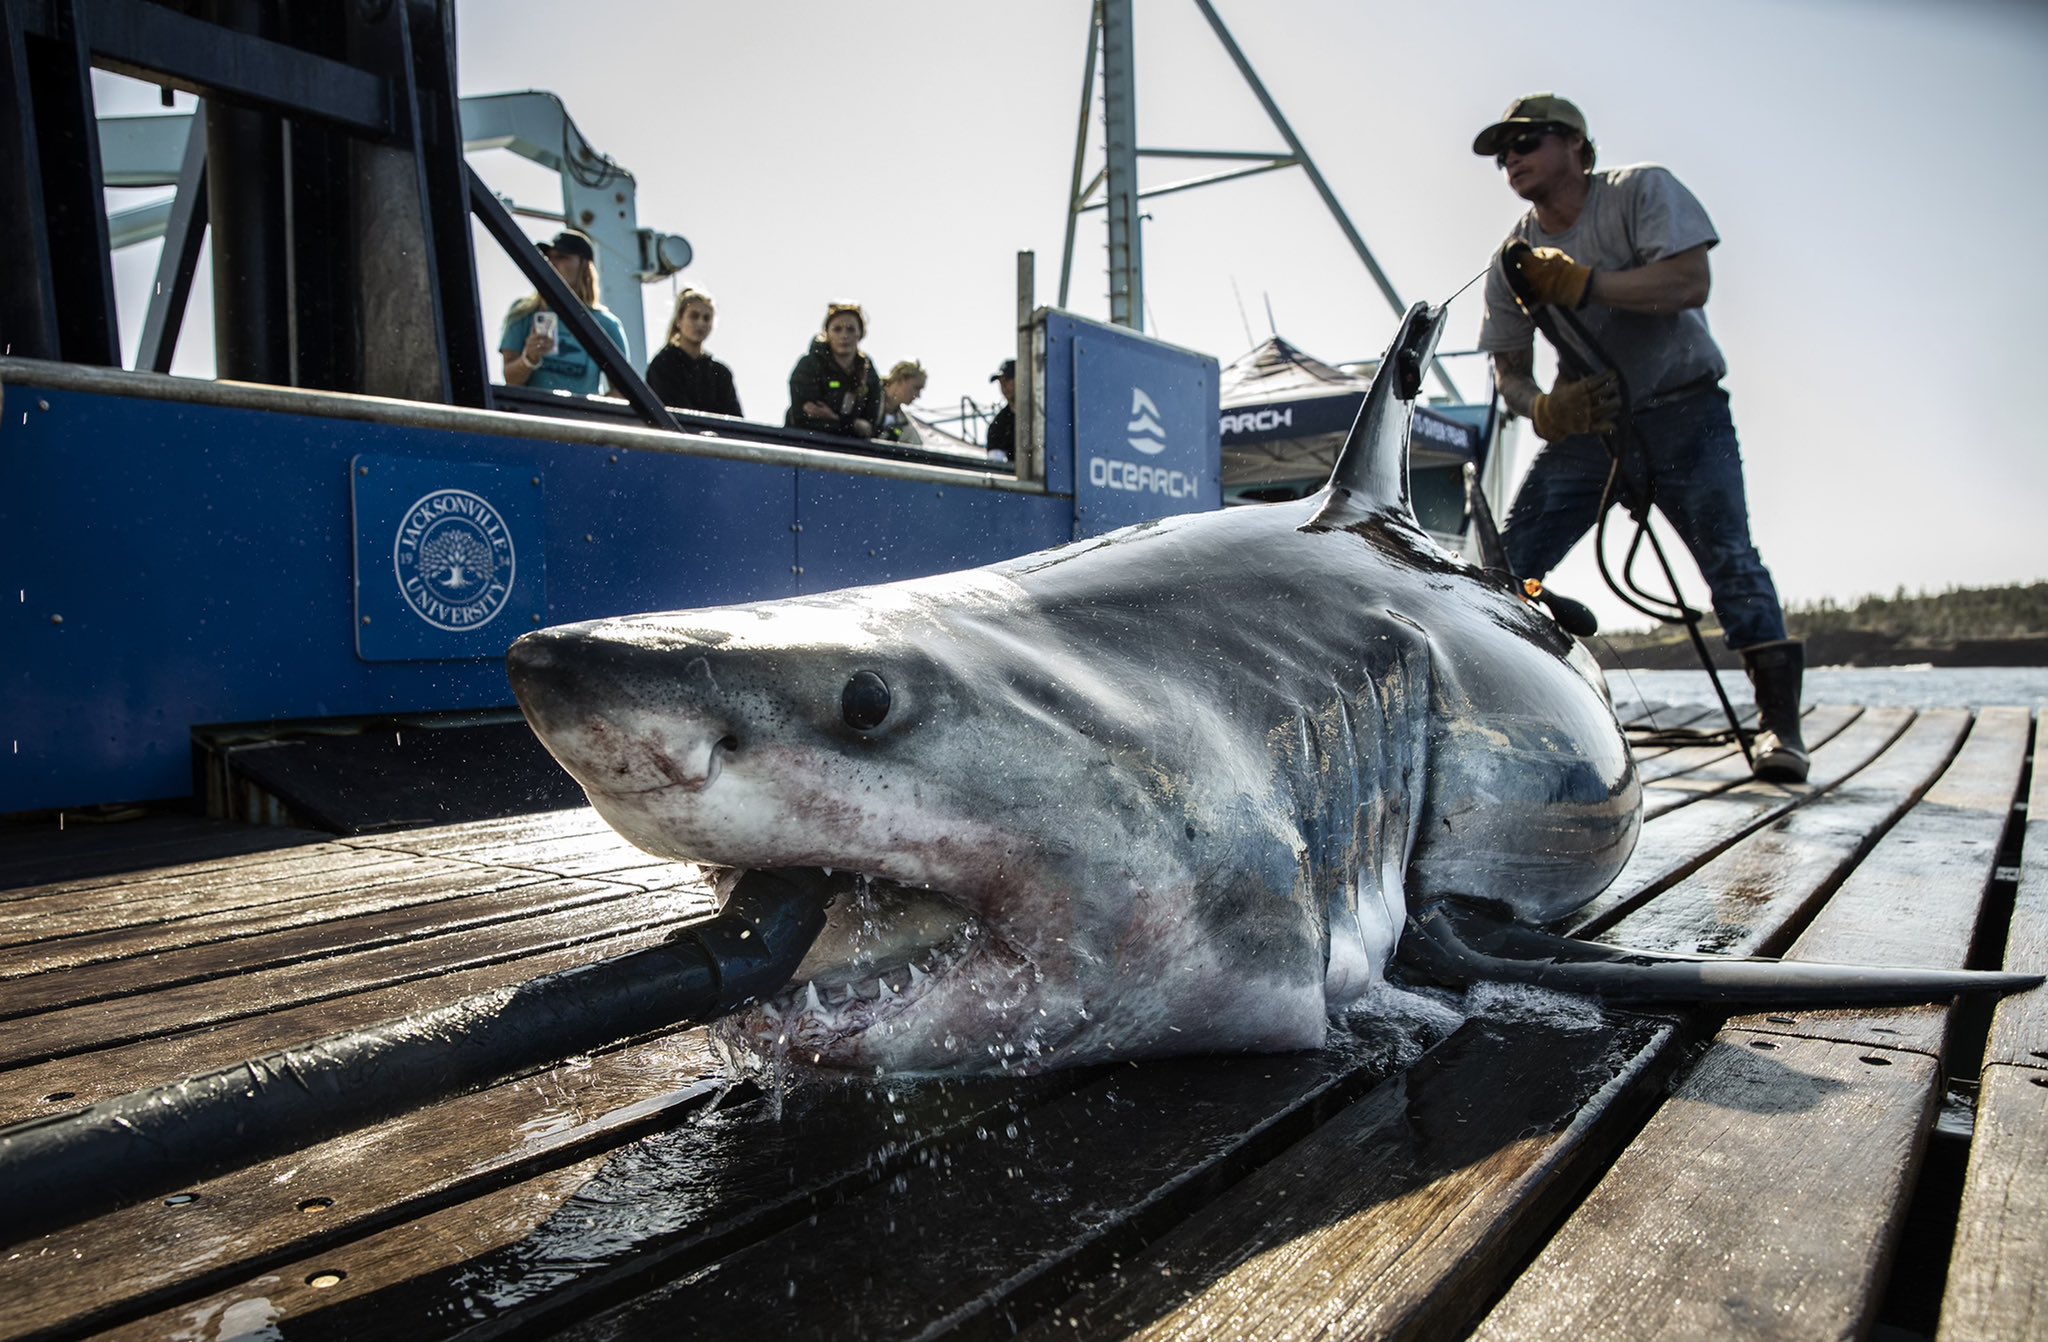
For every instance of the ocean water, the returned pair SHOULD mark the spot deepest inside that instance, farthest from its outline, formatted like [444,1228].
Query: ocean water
[1899,686]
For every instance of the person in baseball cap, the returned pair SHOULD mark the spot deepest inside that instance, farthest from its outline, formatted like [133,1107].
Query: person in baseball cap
[1530,113]
[569,242]
[1002,430]
[1621,254]
[541,352]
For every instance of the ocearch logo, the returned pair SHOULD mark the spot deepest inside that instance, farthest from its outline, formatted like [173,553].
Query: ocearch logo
[1149,435]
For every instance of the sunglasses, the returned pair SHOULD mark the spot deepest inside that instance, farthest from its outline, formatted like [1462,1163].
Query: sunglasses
[1525,143]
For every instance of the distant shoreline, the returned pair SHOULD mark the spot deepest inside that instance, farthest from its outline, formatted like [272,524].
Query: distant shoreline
[1671,652]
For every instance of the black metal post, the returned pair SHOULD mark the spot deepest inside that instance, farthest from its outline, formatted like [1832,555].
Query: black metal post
[183,235]
[245,183]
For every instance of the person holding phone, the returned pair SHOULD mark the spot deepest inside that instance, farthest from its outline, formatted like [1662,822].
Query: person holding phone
[539,350]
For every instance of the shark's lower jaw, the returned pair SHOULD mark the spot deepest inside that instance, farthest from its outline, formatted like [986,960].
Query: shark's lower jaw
[902,979]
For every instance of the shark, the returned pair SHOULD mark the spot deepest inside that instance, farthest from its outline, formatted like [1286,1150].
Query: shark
[1191,786]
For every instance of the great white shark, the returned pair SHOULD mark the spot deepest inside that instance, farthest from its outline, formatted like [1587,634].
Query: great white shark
[1186,787]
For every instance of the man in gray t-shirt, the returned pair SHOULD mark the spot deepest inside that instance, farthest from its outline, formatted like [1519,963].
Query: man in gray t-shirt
[1626,251]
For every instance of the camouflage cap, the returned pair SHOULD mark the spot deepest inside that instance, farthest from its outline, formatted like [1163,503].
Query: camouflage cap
[1531,109]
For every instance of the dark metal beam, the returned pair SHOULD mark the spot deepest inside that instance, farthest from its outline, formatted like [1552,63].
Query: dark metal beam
[625,379]
[28,300]
[246,188]
[162,46]
[74,207]
[183,235]
[1210,180]
[1315,177]
[444,189]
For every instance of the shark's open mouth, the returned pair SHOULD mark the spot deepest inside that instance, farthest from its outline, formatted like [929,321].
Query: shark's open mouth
[892,959]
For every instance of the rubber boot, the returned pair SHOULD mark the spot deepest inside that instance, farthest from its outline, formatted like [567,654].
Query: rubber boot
[1775,671]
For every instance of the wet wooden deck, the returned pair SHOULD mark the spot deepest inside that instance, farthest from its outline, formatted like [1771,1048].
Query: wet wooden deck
[1572,1175]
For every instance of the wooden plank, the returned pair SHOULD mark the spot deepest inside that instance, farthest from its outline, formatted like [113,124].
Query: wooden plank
[36,852]
[1644,715]
[1675,844]
[252,883]
[72,1082]
[487,898]
[562,843]
[1463,1145]
[280,1208]
[522,1257]
[1917,898]
[1755,896]
[1402,1216]
[324,1293]
[2019,1030]
[1673,780]
[1762,1200]
[409,881]
[605,856]
[1998,1272]
[458,840]
[122,1020]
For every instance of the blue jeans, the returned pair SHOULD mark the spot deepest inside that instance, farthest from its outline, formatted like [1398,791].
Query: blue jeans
[1696,481]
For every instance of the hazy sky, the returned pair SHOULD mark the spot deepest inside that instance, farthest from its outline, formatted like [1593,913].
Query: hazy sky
[1869,166]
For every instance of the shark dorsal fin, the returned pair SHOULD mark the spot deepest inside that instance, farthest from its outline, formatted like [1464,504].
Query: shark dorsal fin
[1371,475]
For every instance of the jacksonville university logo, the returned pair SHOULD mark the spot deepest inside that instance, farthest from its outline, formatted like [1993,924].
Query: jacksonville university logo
[454,560]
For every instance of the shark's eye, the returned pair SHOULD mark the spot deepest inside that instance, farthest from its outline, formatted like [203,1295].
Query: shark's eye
[865,701]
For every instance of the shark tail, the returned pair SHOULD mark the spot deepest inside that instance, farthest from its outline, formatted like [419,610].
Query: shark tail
[1456,942]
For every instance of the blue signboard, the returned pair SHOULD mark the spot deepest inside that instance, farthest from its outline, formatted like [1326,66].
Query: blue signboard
[1434,428]
[1144,427]
[449,560]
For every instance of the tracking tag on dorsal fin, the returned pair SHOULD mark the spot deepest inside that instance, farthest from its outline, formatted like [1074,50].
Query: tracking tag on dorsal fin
[1371,475]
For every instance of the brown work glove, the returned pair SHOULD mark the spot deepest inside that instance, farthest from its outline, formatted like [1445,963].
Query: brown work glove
[1555,278]
[1588,406]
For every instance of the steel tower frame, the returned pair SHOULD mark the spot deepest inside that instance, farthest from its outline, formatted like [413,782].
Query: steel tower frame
[1110,35]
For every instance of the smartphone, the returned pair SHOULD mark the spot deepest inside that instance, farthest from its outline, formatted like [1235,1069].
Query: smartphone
[546,323]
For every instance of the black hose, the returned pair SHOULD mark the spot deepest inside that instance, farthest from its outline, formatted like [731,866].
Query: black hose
[1578,355]
[63,1169]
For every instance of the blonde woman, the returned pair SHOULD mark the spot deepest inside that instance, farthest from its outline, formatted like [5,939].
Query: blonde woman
[682,374]
[834,388]
[903,385]
[540,351]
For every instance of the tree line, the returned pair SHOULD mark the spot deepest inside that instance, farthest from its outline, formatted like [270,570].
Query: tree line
[2016,614]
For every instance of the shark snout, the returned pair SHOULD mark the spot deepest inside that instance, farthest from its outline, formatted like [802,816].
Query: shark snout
[620,718]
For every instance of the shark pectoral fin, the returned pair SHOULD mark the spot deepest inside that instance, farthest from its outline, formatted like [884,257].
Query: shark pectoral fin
[1457,942]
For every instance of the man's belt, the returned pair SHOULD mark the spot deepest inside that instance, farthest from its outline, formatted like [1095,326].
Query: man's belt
[1658,400]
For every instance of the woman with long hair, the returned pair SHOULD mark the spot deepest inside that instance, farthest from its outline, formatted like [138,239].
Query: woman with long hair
[834,388]
[903,385]
[542,353]
[682,374]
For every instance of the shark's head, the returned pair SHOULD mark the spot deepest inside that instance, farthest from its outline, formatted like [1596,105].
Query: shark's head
[1063,861]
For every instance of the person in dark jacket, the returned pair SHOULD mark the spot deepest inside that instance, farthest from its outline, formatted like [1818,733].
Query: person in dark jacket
[682,374]
[1002,430]
[834,388]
